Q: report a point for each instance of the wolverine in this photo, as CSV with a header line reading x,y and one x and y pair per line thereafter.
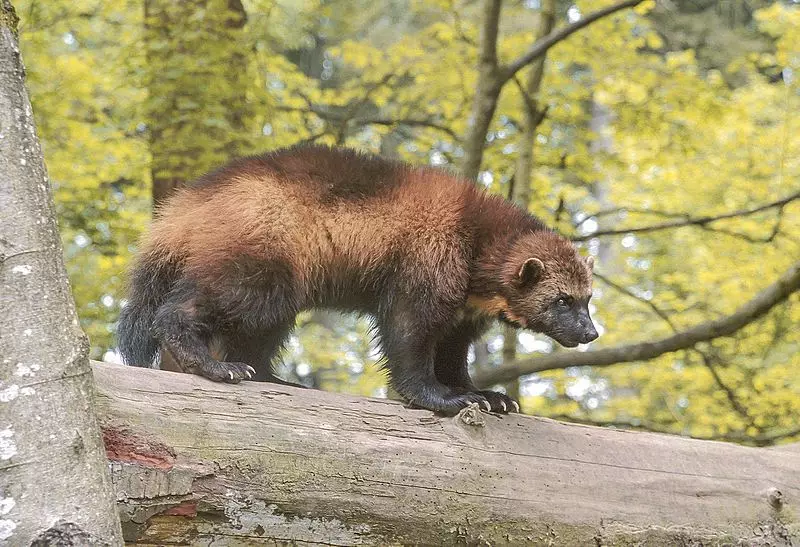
x,y
233,257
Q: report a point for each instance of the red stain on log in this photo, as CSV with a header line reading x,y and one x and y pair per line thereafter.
x,y
123,446
185,509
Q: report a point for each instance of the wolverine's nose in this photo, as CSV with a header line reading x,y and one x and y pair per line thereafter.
x,y
589,334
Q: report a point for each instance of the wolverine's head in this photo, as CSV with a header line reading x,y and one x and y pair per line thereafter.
x,y
547,289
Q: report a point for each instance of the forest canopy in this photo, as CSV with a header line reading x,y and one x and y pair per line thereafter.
x,y
662,137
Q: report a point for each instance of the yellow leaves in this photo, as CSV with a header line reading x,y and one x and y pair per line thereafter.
x,y
357,55
778,19
653,40
644,8
681,60
442,32
637,94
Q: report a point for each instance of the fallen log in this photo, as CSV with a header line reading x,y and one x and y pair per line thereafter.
x,y
201,463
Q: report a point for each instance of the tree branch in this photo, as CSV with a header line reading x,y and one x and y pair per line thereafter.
x,y
773,295
736,404
487,93
637,210
489,31
540,47
341,117
406,121
689,221
619,288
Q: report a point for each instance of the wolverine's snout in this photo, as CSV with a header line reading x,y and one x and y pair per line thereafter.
x,y
589,333
586,327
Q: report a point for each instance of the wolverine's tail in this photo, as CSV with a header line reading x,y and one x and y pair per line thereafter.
x,y
151,280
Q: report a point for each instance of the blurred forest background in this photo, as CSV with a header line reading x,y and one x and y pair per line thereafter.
x,y
631,136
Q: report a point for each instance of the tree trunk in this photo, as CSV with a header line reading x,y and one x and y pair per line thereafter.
x,y
197,77
532,110
486,94
209,463
55,483
521,190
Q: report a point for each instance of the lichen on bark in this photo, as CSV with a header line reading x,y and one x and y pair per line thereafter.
x,y
8,17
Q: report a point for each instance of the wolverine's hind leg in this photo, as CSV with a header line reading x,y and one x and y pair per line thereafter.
x,y
259,349
183,326
452,369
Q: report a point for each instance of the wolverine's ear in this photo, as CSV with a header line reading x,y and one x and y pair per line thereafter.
x,y
590,262
530,272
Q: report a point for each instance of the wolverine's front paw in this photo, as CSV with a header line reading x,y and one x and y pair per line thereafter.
x,y
500,402
232,373
453,403
445,400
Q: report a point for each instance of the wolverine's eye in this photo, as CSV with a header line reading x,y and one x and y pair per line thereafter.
x,y
564,301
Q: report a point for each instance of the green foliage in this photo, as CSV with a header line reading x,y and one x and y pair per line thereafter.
x,y
648,119
95,157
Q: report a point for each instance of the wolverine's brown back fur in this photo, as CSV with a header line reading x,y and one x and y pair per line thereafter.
x,y
249,245
326,212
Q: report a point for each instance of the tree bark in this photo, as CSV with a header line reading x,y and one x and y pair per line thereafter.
x,y
486,94
207,463
533,114
187,92
55,481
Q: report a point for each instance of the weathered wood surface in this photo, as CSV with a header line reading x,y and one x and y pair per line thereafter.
x,y
200,463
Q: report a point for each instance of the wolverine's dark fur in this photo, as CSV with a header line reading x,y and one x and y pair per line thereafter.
x,y
232,258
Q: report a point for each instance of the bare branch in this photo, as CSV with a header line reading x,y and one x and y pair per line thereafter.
x,y
459,25
540,47
619,288
736,404
342,117
764,301
489,30
487,93
696,221
406,121
637,210
312,138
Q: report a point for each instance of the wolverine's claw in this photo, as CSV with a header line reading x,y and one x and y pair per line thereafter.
x,y
486,406
230,374
505,408
252,371
516,406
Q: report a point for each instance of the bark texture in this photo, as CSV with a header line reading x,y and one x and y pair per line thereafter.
x,y
201,463
179,84
520,193
54,481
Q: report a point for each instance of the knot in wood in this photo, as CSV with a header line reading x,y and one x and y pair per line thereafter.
x,y
775,498
471,415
